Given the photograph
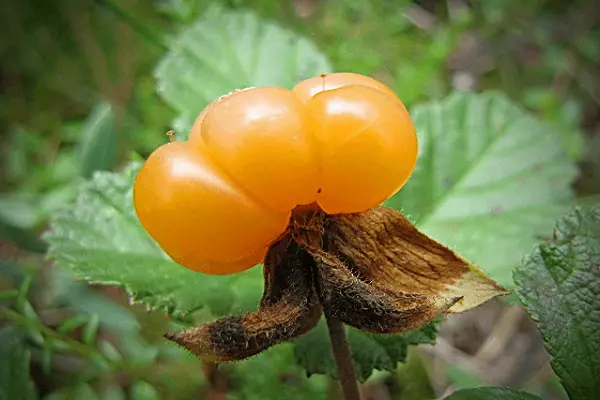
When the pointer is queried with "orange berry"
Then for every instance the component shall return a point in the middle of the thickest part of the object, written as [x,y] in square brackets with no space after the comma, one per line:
[259,138]
[202,220]
[216,202]
[365,140]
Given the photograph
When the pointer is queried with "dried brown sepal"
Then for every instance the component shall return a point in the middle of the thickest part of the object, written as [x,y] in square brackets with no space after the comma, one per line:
[381,247]
[370,307]
[372,270]
[289,308]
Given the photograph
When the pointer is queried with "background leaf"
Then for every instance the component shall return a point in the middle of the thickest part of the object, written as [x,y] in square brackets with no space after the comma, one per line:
[141,390]
[14,366]
[228,50]
[489,179]
[113,392]
[278,374]
[101,240]
[369,351]
[411,379]
[97,147]
[462,379]
[559,284]
[19,210]
[490,393]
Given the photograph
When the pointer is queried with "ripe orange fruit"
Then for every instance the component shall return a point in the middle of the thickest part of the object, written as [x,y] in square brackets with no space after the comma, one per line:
[216,202]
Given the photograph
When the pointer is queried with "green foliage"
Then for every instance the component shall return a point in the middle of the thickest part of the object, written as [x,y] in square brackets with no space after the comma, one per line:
[66,56]
[421,79]
[277,374]
[491,393]
[370,26]
[43,190]
[226,50]
[98,143]
[91,307]
[461,379]
[379,39]
[559,284]
[104,340]
[412,378]
[14,366]
[564,113]
[369,351]
[142,390]
[113,392]
[489,180]
[40,190]
[60,60]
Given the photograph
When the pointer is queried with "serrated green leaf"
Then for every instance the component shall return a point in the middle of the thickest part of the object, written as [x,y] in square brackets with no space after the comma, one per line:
[369,351]
[228,50]
[489,179]
[97,147]
[559,284]
[100,238]
[490,393]
[14,366]
[313,351]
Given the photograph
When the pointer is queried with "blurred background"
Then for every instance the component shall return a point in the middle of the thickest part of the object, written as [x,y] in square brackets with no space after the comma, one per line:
[78,94]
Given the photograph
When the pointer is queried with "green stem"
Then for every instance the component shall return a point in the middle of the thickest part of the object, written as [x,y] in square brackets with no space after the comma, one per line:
[343,358]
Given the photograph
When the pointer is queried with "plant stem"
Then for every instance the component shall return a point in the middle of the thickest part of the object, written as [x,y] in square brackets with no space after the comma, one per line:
[343,358]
